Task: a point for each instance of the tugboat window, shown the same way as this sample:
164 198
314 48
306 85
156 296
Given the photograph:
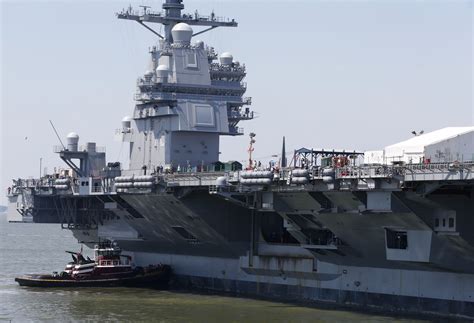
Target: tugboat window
396 239
451 222
436 222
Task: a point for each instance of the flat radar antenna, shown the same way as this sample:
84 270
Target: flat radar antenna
52 125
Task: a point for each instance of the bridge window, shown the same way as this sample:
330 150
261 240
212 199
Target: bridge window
396 239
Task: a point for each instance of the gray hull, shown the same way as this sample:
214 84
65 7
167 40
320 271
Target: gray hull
384 290
220 254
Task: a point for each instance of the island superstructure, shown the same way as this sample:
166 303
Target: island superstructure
188 98
393 232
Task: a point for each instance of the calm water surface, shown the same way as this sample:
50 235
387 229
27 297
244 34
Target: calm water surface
39 248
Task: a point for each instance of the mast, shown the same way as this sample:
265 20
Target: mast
250 150
172 16
283 154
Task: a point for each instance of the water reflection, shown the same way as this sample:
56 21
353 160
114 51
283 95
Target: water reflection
30 248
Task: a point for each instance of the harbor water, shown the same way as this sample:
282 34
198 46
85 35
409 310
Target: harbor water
39 248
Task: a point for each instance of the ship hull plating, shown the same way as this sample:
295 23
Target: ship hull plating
377 289
208 242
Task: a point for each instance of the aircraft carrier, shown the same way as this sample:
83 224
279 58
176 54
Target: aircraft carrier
390 230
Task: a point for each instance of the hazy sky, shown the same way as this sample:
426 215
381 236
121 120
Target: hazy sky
327 74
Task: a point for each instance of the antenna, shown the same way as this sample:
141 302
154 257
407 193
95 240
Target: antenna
251 149
283 154
145 9
172 16
52 125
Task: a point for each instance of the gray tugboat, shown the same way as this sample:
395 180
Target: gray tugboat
388 230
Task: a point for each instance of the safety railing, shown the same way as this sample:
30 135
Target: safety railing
98 149
237 130
364 172
191 179
97 189
216 67
129 12
440 166
58 149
